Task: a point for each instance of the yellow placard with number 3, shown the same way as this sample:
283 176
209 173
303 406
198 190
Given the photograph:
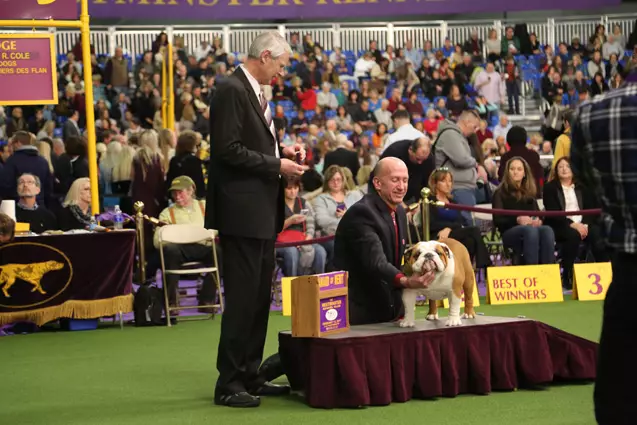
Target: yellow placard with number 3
591 281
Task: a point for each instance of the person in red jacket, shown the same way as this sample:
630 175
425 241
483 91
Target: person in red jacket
307 96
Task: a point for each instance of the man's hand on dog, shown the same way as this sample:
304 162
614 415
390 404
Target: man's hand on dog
418 281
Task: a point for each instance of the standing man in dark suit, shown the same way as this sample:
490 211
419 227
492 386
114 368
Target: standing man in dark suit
342 156
245 204
71 127
370 244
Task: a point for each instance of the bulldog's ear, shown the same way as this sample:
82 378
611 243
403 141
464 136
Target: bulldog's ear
411 255
443 252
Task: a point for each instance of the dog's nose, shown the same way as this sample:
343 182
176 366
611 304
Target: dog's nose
429 256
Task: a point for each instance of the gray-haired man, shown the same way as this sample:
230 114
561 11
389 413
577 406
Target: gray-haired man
28 211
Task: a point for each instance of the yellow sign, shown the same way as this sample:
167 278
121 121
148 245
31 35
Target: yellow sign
591 281
524 284
286 295
476 297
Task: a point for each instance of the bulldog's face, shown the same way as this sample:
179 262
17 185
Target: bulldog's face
428 256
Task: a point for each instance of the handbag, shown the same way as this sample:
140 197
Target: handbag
292 235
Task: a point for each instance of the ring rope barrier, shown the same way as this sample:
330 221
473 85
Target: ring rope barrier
498 211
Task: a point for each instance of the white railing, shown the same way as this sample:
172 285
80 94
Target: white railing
349 36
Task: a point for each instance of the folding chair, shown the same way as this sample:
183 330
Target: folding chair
181 234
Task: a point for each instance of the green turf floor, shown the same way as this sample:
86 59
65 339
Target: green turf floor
156 376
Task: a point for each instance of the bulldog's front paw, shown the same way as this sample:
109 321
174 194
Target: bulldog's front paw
469 315
454 321
432 316
406 323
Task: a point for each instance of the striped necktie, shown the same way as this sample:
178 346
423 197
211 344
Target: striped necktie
264 108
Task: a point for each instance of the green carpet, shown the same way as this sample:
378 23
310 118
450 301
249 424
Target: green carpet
156 376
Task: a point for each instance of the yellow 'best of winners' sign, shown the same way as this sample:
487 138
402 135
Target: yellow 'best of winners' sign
524 284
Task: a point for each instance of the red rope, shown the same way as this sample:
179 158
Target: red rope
497 211
300 243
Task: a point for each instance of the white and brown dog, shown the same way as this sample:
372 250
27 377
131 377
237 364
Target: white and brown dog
453 274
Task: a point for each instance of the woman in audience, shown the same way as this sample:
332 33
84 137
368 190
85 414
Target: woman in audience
148 175
47 130
299 226
185 163
564 193
113 152
598 85
380 137
525 235
76 212
494 46
414 106
330 206
445 223
73 164
353 104
343 119
123 171
166 146
456 102
45 152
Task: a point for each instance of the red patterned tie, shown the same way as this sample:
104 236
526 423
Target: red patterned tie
393 217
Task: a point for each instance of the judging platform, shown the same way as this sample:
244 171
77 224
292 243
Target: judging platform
374 365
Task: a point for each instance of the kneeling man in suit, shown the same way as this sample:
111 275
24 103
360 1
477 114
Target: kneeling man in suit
370 244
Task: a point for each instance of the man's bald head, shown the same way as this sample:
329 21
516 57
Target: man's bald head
391 178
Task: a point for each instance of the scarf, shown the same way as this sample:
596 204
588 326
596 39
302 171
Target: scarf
84 219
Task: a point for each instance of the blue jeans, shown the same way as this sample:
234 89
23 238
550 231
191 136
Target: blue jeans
465 197
536 244
291 256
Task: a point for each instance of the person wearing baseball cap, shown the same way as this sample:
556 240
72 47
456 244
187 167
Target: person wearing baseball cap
185 210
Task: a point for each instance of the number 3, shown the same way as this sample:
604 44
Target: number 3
598 288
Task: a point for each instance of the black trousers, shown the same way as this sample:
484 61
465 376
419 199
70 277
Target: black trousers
248 265
614 389
570 241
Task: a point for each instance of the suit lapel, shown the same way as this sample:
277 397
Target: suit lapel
252 96
383 209
560 196
578 195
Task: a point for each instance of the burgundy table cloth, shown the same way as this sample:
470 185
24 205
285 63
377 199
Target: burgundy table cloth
380 364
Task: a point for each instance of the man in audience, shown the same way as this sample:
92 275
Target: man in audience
27 209
500 131
325 98
416 154
404 129
342 156
489 84
25 159
364 117
71 126
370 244
382 115
603 155
186 210
453 151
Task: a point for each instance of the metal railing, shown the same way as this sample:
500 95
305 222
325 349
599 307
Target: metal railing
349 36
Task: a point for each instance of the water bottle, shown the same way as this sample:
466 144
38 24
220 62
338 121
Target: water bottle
93 225
118 218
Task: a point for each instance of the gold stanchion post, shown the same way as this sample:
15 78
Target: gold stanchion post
141 243
90 109
424 193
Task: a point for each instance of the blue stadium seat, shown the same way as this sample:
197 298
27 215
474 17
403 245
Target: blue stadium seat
330 113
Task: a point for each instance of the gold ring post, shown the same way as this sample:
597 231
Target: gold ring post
424 193
141 243
170 110
90 108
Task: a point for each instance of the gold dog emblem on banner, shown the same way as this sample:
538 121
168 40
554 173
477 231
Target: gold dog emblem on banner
30 273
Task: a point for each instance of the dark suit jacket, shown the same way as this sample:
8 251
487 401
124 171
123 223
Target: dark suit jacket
343 158
69 129
245 194
365 247
554 201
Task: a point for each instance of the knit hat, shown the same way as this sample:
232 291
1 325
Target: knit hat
516 136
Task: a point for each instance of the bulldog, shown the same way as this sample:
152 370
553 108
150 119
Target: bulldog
453 274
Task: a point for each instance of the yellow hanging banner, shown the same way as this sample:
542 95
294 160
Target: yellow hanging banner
591 281
524 284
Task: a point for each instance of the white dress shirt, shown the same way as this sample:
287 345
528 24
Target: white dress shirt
405 132
268 111
570 202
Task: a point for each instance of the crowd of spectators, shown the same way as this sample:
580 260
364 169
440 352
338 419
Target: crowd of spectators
346 109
